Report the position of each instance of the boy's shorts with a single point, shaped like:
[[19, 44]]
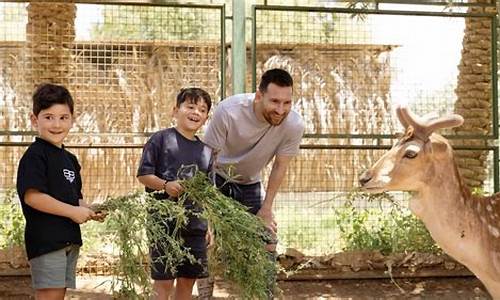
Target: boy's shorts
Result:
[[199, 269], [56, 269]]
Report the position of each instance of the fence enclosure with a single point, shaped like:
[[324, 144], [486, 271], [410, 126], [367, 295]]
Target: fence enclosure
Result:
[[350, 67]]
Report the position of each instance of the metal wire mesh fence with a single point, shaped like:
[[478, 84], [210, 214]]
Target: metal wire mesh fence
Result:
[[349, 73], [124, 65], [309, 208], [356, 67]]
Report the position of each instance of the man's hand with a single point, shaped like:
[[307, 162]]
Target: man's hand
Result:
[[173, 188], [209, 237], [266, 214]]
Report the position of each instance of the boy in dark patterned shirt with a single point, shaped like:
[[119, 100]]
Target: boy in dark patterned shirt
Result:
[[163, 155]]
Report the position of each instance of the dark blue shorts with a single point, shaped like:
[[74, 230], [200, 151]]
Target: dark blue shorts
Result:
[[249, 195]]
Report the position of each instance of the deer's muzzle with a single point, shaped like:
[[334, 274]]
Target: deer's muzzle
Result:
[[365, 177]]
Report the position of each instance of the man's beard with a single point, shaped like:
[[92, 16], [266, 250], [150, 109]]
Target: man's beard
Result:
[[272, 121]]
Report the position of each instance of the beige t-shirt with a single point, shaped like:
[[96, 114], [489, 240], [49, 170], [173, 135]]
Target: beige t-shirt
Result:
[[247, 144]]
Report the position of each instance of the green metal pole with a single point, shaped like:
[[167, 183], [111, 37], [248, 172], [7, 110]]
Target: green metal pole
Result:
[[254, 48], [238, 47], [223, 52]]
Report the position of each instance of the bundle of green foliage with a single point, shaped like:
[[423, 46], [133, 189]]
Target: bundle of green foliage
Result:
[[12, 224], [132, 222], [392, 231], [239, 254]]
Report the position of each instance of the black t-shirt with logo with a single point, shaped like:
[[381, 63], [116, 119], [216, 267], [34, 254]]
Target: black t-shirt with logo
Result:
[[165, 154], [56, 172]]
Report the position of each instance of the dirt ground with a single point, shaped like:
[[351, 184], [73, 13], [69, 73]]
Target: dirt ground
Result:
[[451, 283], [97, 288]]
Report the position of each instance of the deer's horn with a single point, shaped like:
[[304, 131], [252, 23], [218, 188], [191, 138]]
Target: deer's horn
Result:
[[450, 121], [431, 115], [407, 118], [401, 117], [425, 127]]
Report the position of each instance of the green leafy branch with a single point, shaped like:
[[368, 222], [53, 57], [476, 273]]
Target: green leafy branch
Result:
[[239, 254]]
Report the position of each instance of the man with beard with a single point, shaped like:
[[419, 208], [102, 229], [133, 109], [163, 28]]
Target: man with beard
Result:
[[247, 131]]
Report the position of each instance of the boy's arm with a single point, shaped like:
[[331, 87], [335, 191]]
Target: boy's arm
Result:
[[98, 215], [173, 188], [47, 204], [83, 203]]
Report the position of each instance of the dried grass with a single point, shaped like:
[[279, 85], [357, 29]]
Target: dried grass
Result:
[[337, 91]]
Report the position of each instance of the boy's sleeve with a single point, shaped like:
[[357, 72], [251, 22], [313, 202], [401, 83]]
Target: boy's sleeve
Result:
[[216, 134], [31, 174], [78, 176], [147, 165]]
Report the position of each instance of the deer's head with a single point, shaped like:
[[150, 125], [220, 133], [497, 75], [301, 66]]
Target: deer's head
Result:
[[411, 162]]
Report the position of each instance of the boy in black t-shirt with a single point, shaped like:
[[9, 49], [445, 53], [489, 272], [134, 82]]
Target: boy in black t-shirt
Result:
[[49, 187], [164, 154]]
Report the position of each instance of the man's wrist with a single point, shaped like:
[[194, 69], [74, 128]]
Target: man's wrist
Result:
[[265, 209]]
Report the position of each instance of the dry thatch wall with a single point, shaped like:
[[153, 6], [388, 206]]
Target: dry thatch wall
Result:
[[125, 90], [132, 93], [122, 92], [339, 89], [131, 88]]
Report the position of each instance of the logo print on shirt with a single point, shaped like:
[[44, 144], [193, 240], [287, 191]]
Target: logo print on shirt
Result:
[[69, 175]]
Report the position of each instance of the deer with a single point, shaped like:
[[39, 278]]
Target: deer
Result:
[[465, 226]]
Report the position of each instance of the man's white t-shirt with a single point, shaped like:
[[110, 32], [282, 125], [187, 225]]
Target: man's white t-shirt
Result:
[[246, 144]]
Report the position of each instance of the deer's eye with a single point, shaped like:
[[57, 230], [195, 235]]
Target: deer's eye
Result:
[[410, 154]]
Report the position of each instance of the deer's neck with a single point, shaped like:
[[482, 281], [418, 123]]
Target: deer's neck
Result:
[[444, 206], [466, 227], [443, 193]]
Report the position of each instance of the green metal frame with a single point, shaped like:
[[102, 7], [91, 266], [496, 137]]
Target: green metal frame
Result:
[[132, 3], [494, 66], [254, 46], [238, 47], [450, 3], [163, 4], [434, 3], [489, 139], [223, 52], [494, 149]]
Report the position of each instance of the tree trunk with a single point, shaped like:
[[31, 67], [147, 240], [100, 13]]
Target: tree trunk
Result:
[[50, 34], [474, 101]]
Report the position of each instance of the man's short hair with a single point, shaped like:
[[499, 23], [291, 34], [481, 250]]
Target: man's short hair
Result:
[[48, 94], [194, 95], [279, 77]]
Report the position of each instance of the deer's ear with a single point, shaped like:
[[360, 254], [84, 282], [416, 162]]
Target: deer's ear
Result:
[[438, 147]]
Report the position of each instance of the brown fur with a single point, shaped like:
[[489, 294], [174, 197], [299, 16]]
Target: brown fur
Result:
[[467, 227]]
